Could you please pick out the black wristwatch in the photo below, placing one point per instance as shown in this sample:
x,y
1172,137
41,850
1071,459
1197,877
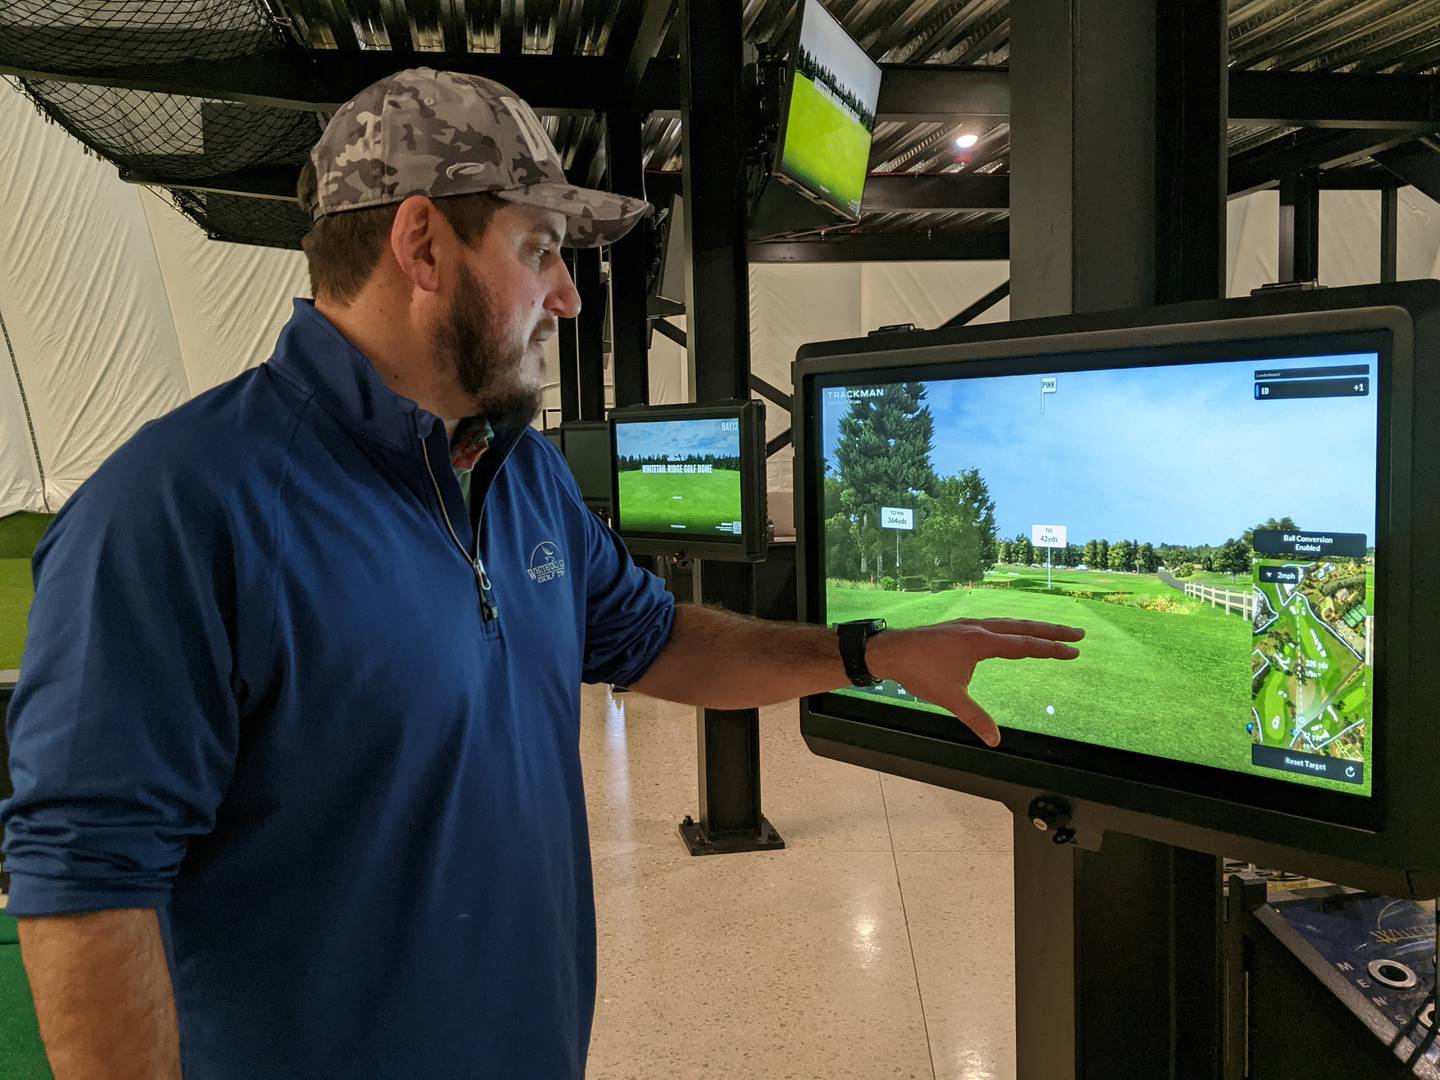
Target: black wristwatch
x,y
853,636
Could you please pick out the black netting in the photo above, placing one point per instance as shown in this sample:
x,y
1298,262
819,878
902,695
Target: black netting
x,y
160,136
245,221
83,35
185,138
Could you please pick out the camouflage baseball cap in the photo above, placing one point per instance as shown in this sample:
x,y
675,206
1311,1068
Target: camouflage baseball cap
x,y
436,133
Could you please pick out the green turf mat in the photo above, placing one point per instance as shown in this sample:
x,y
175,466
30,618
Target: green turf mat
x,y
22,1054
16,593
19,533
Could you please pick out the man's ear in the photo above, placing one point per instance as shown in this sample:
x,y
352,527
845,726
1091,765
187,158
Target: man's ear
x,y
417,227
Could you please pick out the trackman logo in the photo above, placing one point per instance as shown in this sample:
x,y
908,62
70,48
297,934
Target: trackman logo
x,y
545,562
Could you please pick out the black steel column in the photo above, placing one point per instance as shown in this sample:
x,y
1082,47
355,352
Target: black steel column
x,y
718,308
717,301
1192,108
1117,200
1300,227
569,358
591,333
629,260
1389,232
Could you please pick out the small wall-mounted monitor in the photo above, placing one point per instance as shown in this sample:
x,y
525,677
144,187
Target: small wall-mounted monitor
x,y
1225,496
828,114
691,478
586,446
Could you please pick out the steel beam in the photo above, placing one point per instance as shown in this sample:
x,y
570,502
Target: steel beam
x,y
1304,151
1389,233
926,93
718,313
884,247
273,182
979,307
629,261
909,93
1115,973
643,25
512,27
1333,100
1299,228
908,193
590,333
570,355
1191,88
1417,164
321,82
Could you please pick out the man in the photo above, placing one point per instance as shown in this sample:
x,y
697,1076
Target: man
x,y
297,783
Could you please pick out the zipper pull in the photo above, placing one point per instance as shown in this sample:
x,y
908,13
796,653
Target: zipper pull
x,y
489,610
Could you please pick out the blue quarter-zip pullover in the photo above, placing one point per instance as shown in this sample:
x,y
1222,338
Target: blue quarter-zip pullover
x,y
273,689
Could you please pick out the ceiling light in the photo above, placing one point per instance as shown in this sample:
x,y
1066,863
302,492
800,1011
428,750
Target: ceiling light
x,y
965,142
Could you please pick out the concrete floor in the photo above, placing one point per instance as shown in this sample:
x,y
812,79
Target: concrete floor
x,y
877,944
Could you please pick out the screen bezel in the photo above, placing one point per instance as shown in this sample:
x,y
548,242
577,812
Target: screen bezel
x,y
1049,354
751,544
777,167
595,502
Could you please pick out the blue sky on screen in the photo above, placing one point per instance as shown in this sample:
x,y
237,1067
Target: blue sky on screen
x,y
1181,454
678,438
833,47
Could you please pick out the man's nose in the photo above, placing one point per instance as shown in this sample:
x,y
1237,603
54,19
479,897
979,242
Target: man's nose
x,y
564,299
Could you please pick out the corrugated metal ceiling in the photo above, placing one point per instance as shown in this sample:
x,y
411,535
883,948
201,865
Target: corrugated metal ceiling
x,y
1360,36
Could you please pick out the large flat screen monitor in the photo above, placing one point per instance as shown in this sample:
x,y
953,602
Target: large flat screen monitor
x,y
586,446
691,478
1216,503
829,114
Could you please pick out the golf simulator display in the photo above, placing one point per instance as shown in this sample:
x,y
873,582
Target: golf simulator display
x,y
690,478
1218,494
833,88
1263,668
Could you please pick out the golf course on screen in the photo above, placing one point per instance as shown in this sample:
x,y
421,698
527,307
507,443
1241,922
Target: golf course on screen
x,y
679,477
826,148
832,112
995,498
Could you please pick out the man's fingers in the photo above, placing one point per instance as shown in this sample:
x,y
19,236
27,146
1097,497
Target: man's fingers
x,y
973,716
1028,647
1055,631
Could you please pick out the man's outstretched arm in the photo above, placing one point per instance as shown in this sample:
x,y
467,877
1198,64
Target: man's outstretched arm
x,y
725,661
102,994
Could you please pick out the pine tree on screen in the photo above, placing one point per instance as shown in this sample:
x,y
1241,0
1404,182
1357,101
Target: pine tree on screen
x,y
883,459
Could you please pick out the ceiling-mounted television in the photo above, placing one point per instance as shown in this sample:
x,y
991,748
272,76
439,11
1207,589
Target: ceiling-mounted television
x,y
828,114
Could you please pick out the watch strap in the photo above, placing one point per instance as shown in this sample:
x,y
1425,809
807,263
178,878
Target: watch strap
x,y
853,637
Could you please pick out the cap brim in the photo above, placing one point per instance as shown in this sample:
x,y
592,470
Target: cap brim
x,y
594,217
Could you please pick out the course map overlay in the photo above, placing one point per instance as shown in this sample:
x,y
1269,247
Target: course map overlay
x,y
1310,676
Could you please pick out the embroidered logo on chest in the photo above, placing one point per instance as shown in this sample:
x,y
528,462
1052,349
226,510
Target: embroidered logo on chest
x,y
545,562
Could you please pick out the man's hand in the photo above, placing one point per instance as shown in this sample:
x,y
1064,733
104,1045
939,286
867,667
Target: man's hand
x,y
937,662
726,661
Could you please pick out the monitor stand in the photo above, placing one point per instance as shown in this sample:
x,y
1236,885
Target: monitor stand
x,y
1119,957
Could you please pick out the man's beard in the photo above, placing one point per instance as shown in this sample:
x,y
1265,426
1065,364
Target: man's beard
x,y
471,342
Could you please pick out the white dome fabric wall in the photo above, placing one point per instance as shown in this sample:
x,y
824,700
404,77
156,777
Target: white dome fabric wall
x,y
116,308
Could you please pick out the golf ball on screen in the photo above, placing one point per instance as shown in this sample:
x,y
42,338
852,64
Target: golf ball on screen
x,y
1050,710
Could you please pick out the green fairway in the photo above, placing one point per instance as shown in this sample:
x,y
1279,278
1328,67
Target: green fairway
x,y
1174,684
826,149
1069,580
694,503
15,596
